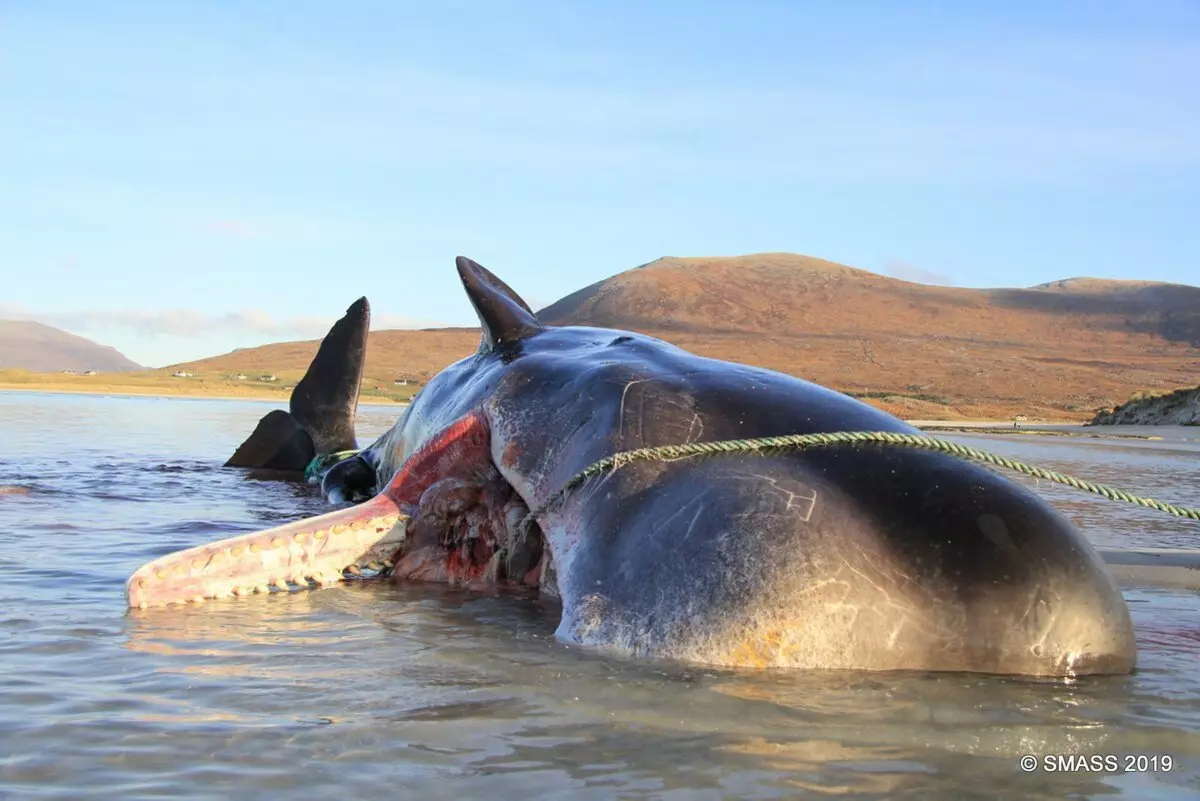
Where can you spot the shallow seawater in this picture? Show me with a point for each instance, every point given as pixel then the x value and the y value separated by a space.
pixel 385 691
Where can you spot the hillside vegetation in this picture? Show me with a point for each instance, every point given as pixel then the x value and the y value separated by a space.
pixel 1057 351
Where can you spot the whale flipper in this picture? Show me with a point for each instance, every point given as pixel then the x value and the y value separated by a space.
pixel 323 404
pixel 277 443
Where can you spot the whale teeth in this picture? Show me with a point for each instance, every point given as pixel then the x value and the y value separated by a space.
pixel 287 558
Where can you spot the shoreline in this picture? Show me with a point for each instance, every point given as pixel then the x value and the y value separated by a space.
pixel 1074 429
pixel 999 424
pixel 148 392
pixel 283 397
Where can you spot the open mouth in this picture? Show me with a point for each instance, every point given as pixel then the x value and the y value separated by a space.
pixel 446 516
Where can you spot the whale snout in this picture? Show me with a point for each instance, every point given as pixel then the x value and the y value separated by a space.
pixel 1041 602
pixel 1008 578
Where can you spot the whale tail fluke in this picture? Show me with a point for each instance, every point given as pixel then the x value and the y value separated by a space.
pixel 323 404
pixel 325 400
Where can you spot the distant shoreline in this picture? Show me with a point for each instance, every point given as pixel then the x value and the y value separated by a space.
pixel 282 398
pixel 1005 424
pixel 134 392
pixel 1049 428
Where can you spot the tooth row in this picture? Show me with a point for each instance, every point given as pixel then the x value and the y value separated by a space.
pixel 311 581
pixel 378 525
pixel 323 577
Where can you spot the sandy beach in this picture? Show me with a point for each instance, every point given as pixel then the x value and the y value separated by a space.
pixel 157 385
pixel 1005 424
pixel 134 392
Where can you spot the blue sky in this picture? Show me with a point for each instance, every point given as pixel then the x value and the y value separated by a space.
pixel 179 179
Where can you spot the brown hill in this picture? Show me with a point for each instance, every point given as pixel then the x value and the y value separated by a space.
pixel 26 345
pixel 780 292
pixel 1059 350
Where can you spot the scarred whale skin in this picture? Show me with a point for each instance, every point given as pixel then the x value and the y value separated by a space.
pixel 847 557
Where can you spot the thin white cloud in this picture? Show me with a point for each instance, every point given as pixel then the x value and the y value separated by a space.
pixel 191 323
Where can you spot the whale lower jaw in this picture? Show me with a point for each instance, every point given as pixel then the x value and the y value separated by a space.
pixel 317 551
pixel 447 516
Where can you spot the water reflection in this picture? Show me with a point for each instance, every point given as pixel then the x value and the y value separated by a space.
pixel 373 690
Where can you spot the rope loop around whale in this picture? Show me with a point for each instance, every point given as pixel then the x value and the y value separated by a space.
pixel 888 438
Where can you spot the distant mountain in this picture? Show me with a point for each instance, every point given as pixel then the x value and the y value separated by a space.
pixel 777 293
pixel 44 349
pixel 1060 349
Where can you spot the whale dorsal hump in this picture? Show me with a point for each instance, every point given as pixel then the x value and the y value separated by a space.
pixel 504 317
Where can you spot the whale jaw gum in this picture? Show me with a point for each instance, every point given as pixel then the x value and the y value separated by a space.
pixel 318 551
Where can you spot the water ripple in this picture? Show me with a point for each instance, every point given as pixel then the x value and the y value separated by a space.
pixel 369 690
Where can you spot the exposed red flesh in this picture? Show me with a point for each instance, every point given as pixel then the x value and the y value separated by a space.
pixel 463 512
pixel 463 443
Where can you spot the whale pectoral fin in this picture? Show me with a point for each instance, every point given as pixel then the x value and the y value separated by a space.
pixel 325 400
pixel 278 442
pixel 503 315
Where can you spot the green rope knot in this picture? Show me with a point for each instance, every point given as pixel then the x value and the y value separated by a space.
pixel 323 461
pixel 888 438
